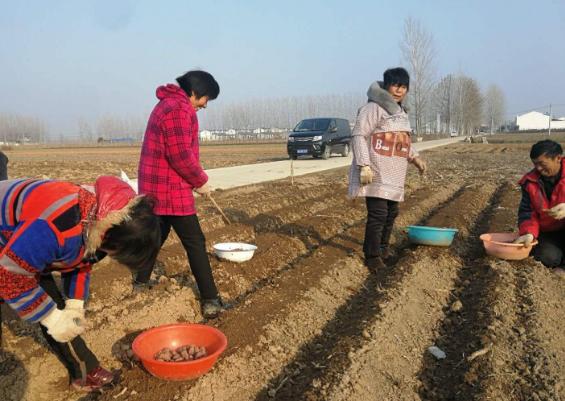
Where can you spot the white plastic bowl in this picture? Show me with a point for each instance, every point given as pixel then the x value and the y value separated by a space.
pixel 235 251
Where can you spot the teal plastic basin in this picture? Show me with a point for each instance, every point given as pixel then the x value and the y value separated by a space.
pixel 433 236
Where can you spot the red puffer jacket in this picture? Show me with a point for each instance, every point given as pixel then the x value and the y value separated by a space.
pixel 531 216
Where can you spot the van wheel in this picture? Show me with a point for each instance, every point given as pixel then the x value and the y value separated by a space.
pixel 345 151
pixel 327 152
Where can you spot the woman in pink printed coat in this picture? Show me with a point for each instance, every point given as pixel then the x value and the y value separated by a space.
pixel 382 149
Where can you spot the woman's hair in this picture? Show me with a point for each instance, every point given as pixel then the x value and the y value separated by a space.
pixel 396 76
pixel 201 83
pixel 136 241
pixel 546 147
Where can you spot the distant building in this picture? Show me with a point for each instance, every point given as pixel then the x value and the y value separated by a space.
pixel 534 120
pixel 205 134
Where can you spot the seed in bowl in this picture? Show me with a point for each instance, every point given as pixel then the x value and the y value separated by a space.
pixel 184 353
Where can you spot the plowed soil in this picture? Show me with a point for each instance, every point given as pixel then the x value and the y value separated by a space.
pixel 307 321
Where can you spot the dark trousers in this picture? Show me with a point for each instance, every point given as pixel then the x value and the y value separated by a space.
pixel 381 214
pixel 61 350
pixel 550 249
pixel 193 240
pixel 3 166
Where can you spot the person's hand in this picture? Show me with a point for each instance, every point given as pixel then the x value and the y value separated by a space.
pixel 203 190
pixel 64 325
pixel 525 239
pixel 365 175
pixel 77 305
pixel 557 212
pixel 420 165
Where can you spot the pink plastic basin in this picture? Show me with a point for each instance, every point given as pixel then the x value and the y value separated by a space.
pixel 151 341
pixel 500 245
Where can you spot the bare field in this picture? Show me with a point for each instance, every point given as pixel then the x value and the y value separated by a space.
pixel 529 137
pixel 306 319
pixel 84 164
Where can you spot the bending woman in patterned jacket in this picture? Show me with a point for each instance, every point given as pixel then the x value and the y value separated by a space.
pixel 382 149
pixel 48 226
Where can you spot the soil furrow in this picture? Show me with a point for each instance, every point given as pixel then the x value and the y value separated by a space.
pixel 538 381
pixel 317 258
pixel 325 359
pixel 246 324
pixel 517 353
pixel 464 330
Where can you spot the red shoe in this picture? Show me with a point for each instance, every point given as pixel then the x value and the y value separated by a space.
pixel 95 380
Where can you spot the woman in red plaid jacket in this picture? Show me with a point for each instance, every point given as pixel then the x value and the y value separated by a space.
pixel 170 170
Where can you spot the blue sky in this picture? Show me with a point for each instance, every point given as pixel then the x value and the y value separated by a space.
pixel 63 60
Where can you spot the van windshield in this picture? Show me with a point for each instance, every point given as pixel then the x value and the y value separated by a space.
pixel 316 124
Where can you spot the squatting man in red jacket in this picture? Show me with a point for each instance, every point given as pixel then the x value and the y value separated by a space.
pixel 541 213
pixel 56 226
pixel 170 170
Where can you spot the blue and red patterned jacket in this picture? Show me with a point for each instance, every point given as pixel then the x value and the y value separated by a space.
pixel 169 166
pixel 531 216
pixel 42 229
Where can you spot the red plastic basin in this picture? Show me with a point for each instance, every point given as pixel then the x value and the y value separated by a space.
pixel 151 341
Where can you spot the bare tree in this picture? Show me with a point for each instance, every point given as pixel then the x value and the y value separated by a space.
pixel 495 107
pixel 84 130
pixel 123 128
pixel 418 51
pixel 22 129
pixel 279 112
pixel 443 97
pixel 468 105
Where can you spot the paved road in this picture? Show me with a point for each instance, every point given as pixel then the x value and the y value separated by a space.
pixel 230 177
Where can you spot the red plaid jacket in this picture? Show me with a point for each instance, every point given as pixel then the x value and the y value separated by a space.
pixel 169 167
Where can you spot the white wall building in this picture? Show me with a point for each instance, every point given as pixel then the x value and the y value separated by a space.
pixel 205 134
pixel 534 120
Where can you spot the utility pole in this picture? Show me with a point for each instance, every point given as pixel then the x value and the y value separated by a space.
pixel 449 108
pixel 549 132
pixel 491 123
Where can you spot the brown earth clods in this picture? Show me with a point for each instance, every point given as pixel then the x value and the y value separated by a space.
pixel 307 321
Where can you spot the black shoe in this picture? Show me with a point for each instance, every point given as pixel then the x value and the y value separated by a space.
pixel 139 286
pixel 211 307
pixel 374 263
pixel 387 255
